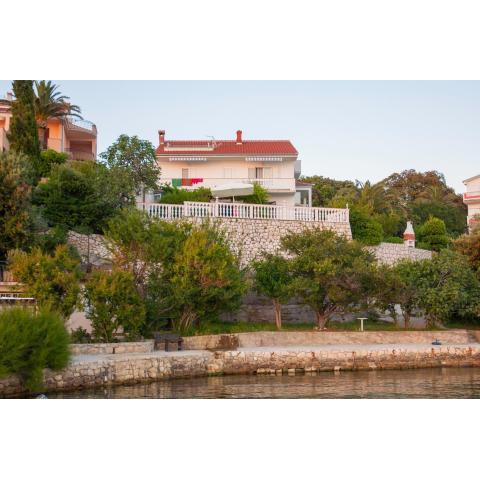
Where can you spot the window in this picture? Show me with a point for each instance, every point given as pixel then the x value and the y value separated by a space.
pixel 260 173
pixel 185 173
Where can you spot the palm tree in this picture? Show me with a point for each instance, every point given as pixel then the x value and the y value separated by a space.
pixel 50 103
pixel 372 196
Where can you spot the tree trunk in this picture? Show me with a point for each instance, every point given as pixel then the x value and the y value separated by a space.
pixel 406 320
pixel 278 314
pixel 321 320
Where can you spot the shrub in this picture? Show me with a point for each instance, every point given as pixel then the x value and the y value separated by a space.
pixel 53 280
pixel 259 195
pixel 48 159
pixel 432 235
pixel 202 280
pixel 80 335
pixel 29 343
pixel 174 195
pixel 469 245
pixel 112 303
pixel 365 228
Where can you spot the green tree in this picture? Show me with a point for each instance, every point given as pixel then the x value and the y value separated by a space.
pixel 273 279
pixel 455 217
pixel 49 104
pixel 30 342
pixel 432 235
pixel 15 225
pixel 23 133
pixel 52 280
pixel 204 279
pixel 469 246
pixel 113 303
pixel 330 273
pixel 259 195
pixel 325 189
pixel 399 285
pixel 81 195
pixel 49 158
pixel 137 157
pixel 448 288
pixel 365 228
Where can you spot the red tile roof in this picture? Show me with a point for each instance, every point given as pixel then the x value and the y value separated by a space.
pixel 227 147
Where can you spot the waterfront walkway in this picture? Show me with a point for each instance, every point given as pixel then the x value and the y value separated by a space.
pixel 337 349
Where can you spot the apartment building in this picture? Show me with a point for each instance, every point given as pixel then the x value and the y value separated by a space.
pixel 77 138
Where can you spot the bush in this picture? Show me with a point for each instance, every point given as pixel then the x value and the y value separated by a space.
pixel 365 228
pixel 29 343
pixel 113 303
pixel 174 195
pixel 259 195
pixel 432 235
pixel 53 280
pixel 48 159
pixel 80 335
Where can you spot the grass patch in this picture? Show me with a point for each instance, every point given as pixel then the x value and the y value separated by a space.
pixel 222 327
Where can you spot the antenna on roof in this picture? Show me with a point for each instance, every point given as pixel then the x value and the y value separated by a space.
pixel 212 138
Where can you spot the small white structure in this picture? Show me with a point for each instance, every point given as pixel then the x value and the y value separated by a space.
pixel 409 236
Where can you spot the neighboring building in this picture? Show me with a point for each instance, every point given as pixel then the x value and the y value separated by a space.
pixel 76 137
pixel 228 166
pixel 472 199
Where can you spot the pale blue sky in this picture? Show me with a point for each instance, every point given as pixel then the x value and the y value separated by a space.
pixel 342 129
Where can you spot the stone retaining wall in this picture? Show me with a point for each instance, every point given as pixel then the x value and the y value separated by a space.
pixel 310 338
pixel 138 368
pixel 246 237
pixel 391 253
pixel 91 248
pixel 249 238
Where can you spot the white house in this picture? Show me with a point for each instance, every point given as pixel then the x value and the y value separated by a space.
pixel 231 167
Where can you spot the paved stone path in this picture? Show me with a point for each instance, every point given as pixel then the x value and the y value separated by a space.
pixel 301 348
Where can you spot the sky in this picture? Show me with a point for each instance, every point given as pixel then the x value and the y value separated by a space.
pixel 356 130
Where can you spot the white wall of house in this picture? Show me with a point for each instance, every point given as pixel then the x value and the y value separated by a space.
pixel 278 177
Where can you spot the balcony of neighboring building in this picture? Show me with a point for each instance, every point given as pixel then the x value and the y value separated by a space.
pixel 472 197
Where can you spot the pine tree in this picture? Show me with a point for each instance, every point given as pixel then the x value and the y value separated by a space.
pixel 23 134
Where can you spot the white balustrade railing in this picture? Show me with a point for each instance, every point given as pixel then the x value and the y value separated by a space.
pixel 245 210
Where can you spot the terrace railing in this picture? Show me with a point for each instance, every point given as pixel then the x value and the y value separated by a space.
pixel 245 210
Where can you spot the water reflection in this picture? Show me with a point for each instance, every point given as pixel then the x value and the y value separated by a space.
pixel 423 383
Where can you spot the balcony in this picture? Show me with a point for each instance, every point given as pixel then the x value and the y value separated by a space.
pixel 271 184
pixel 245 210
pixel 471 197
pixel 74 154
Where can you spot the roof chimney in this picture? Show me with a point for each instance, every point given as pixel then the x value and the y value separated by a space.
pixel 161 137
pixel 409 235
pixel 239 137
